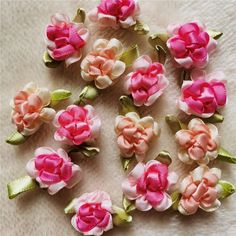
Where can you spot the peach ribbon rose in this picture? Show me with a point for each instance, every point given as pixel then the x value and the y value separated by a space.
pixel 134 134
pixel 199 143
pixel 200 190
pixel 102 65
pixel 30 109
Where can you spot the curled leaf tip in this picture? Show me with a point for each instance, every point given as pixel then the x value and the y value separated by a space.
pixel 128 205
pixel 216 118
pixel 16 138
pixel 69 209
pixel 87 151
pixel 49 61
pixel 227 189
pixel 126 105
pixel 89 93
pixel 121 217
pixel 59 95
pixel 141 28
pixel 80 16
pixel 164 157
pixel 161 54
pixel 224 155
pixel 129 56
pixel 215 34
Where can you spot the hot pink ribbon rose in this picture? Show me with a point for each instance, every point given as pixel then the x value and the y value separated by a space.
pixel 147 185
pixel 65 39
pixel 77 125
pixel 102 65
pixel 134 134
pixel 115 13
pixel 190 44
pixel 200 190
pixel 53 169
pixel 147 82
pixel 30 109
pixel 204 94
pixel 93 213
pixel 199 143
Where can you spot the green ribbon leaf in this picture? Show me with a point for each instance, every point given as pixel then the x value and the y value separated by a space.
pixel 80 16
pixel 126 162
pixel 87 151
pixel 164 157
pixel 89 93
pixel 158 39
pixel 214 34
pixel 128 205
pixel 69 209
pixel 174 123
pixel 126 105
pixel 141 28
pixel 175 196
pixel 120 217
pixel 224 155
pixel 16 138
pixel 161 54
pixel 216 118
pixel 184 75
pixel 129 56
pixel 227 189
pixel 59 95
pixel 50 62
pixel 20 185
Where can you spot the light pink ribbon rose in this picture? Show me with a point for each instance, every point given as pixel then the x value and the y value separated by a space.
pixel 115 13
pixel 76 125
pixel 134 134
pixel 30 109
pixel 203 94
pixel 200 190
pixel 147 81
pixel 147 184
pixel 199 143
pixel 93 213
pixel 102 64
pixel 53 169
pixel 190 44
pixel 65 39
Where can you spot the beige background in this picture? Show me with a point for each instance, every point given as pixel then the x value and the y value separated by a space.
pixel 22 46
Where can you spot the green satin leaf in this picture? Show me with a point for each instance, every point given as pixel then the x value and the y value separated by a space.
pixel 87 151
pixel 20 185
pixel 158 39
pixel 175 196
pixel 120 217
pixel 129 56
pixel 141 28
pixel 164 157
pixel 161 54
pixel 126 162
pixel 174 123
pixel 216 118
pixel 128 205
pixel 59 95
pixel 50 62
pixel 69 209
pixel 89 93
pixel 227 189
pixel 214 34
pixel 224 155
pixel 16 138
pixel 184 75
pixel 80 16
pixel 126 105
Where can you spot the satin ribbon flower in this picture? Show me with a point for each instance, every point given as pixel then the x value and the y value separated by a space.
pixel 65 39
pixel 30 109
pixel 115 13
pixel 76 125
pixel 204 94
pixel 190 44
pixel 200 190
pixel 147 81
pixel 102 65
pixel 93 213
pixel 147 184
pixel 53 169
pixel 199 143
pixel 134 134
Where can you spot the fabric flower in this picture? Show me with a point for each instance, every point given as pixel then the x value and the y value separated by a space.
pixel 204 94
pixel 65 39
pixel 115 13
pixel 147 82
pixel 102 65
pixel 53 169
pixel 147 185
pixel 93 213
pixel 199 142
pixel 134 134
pixel 76 125
pixel 30 109
pixel 200 190
pixel 190 44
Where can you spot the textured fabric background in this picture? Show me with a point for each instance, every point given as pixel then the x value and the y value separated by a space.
pixel 36 213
